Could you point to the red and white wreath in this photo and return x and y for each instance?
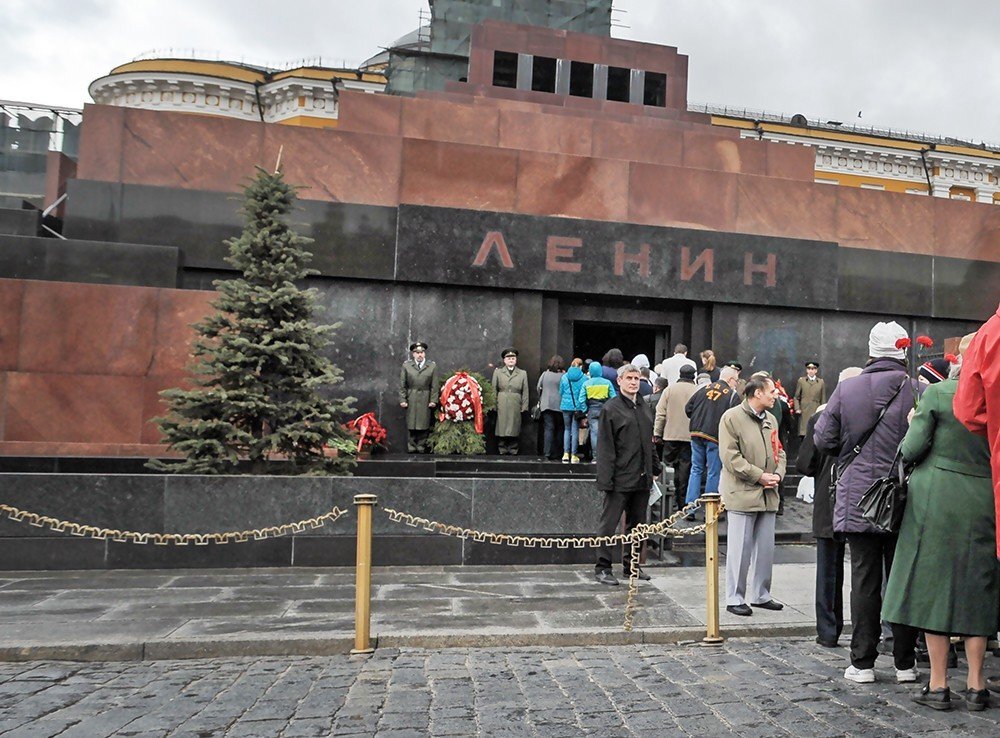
(462, 401)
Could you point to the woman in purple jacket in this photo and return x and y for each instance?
(852, 411)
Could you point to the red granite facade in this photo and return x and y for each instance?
(81, 365)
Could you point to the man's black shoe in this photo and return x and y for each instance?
(743, 610)
(769, 605)
(641, 575)
(976, 700)
(993, 683)
(825, 643)
(606, 577)
(939, 699)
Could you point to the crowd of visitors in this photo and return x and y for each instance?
(917, 584)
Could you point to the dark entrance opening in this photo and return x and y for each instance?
(593, 340)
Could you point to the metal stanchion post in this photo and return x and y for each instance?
(363, 576)
(711, 504)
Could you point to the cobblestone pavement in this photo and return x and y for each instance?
(746, 688)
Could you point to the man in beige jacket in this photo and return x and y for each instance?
(673, 429)
(753, 465)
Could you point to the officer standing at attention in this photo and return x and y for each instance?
(511, 387)
(810, 393)
(419, 389)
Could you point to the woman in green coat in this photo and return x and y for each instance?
(945, 578)
(511, 387)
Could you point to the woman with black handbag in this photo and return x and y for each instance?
(945, 578)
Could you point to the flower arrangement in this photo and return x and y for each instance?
(466, 397)
(370, 432)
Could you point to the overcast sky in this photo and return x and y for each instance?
(924, 65)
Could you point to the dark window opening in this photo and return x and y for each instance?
(619, 80)
(581, 79)
(655, 90)
(504, 69)
(543, 74)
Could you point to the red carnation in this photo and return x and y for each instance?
(951, 358)
(925, 341)
(903, 343)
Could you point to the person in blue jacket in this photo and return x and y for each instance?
(569, 403)
(593, 394)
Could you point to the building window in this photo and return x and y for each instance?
(504, 69)
(869, 186)
(820, 180)
(543, 74)
(619, 82)
(655, 90)
(581, 79)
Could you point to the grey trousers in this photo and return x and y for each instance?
(749, 538)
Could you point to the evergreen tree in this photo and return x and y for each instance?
(258, 363)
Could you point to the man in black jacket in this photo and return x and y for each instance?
(626, 468)
(705, 409)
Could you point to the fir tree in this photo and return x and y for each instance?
(258, 363)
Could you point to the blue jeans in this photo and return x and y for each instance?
(593, 422)
(703, 453)
(571, 436)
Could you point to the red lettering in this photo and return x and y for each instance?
(769, 270)
(641, 259)
(705, 261)
(494, 240)
(557, 250)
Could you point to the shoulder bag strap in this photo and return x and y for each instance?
(868, 434)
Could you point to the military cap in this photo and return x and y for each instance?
(735, 365)
(812, 365)
(418, 346)
(508, 352)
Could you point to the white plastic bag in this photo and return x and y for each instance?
(806, 490)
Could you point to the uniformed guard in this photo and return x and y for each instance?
(810, 393)
(511, 387)
(419, 389)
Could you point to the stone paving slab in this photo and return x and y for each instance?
(184, 614)
(775, 687)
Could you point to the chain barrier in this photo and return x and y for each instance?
(639, 534)
(166, 539)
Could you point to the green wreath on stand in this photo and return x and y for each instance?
(465, 399)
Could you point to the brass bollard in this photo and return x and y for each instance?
(363, 576)
(711, 504)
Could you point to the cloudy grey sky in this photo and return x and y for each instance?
(925, 65)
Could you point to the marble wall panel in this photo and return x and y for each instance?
(884, 221)
(503, 507)
(655, 145)
(78, 408)
(176, 312)
(965, 229)
(677, 196)
(124, 502)
(791, 162)
(101, 329)
(965, 289)
(883, 281)
(767, 205)
(456, 175)
(101, 140)
(367, 113)
(448, 501)
(437, 120)
(573, 186)
(11, 296)
(192, 151)
(93, 211)
(555, 134)
(724, 153)
(342, 166)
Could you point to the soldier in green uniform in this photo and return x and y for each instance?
(810, 393)
(511, 387)
(419, 389)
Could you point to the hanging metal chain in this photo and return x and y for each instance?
(166, 539)
(652, 530)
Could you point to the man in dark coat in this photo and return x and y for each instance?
(853, 411)
(830, 546)
(626, 467)
(419, 388)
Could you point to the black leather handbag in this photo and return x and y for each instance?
(884, 502)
